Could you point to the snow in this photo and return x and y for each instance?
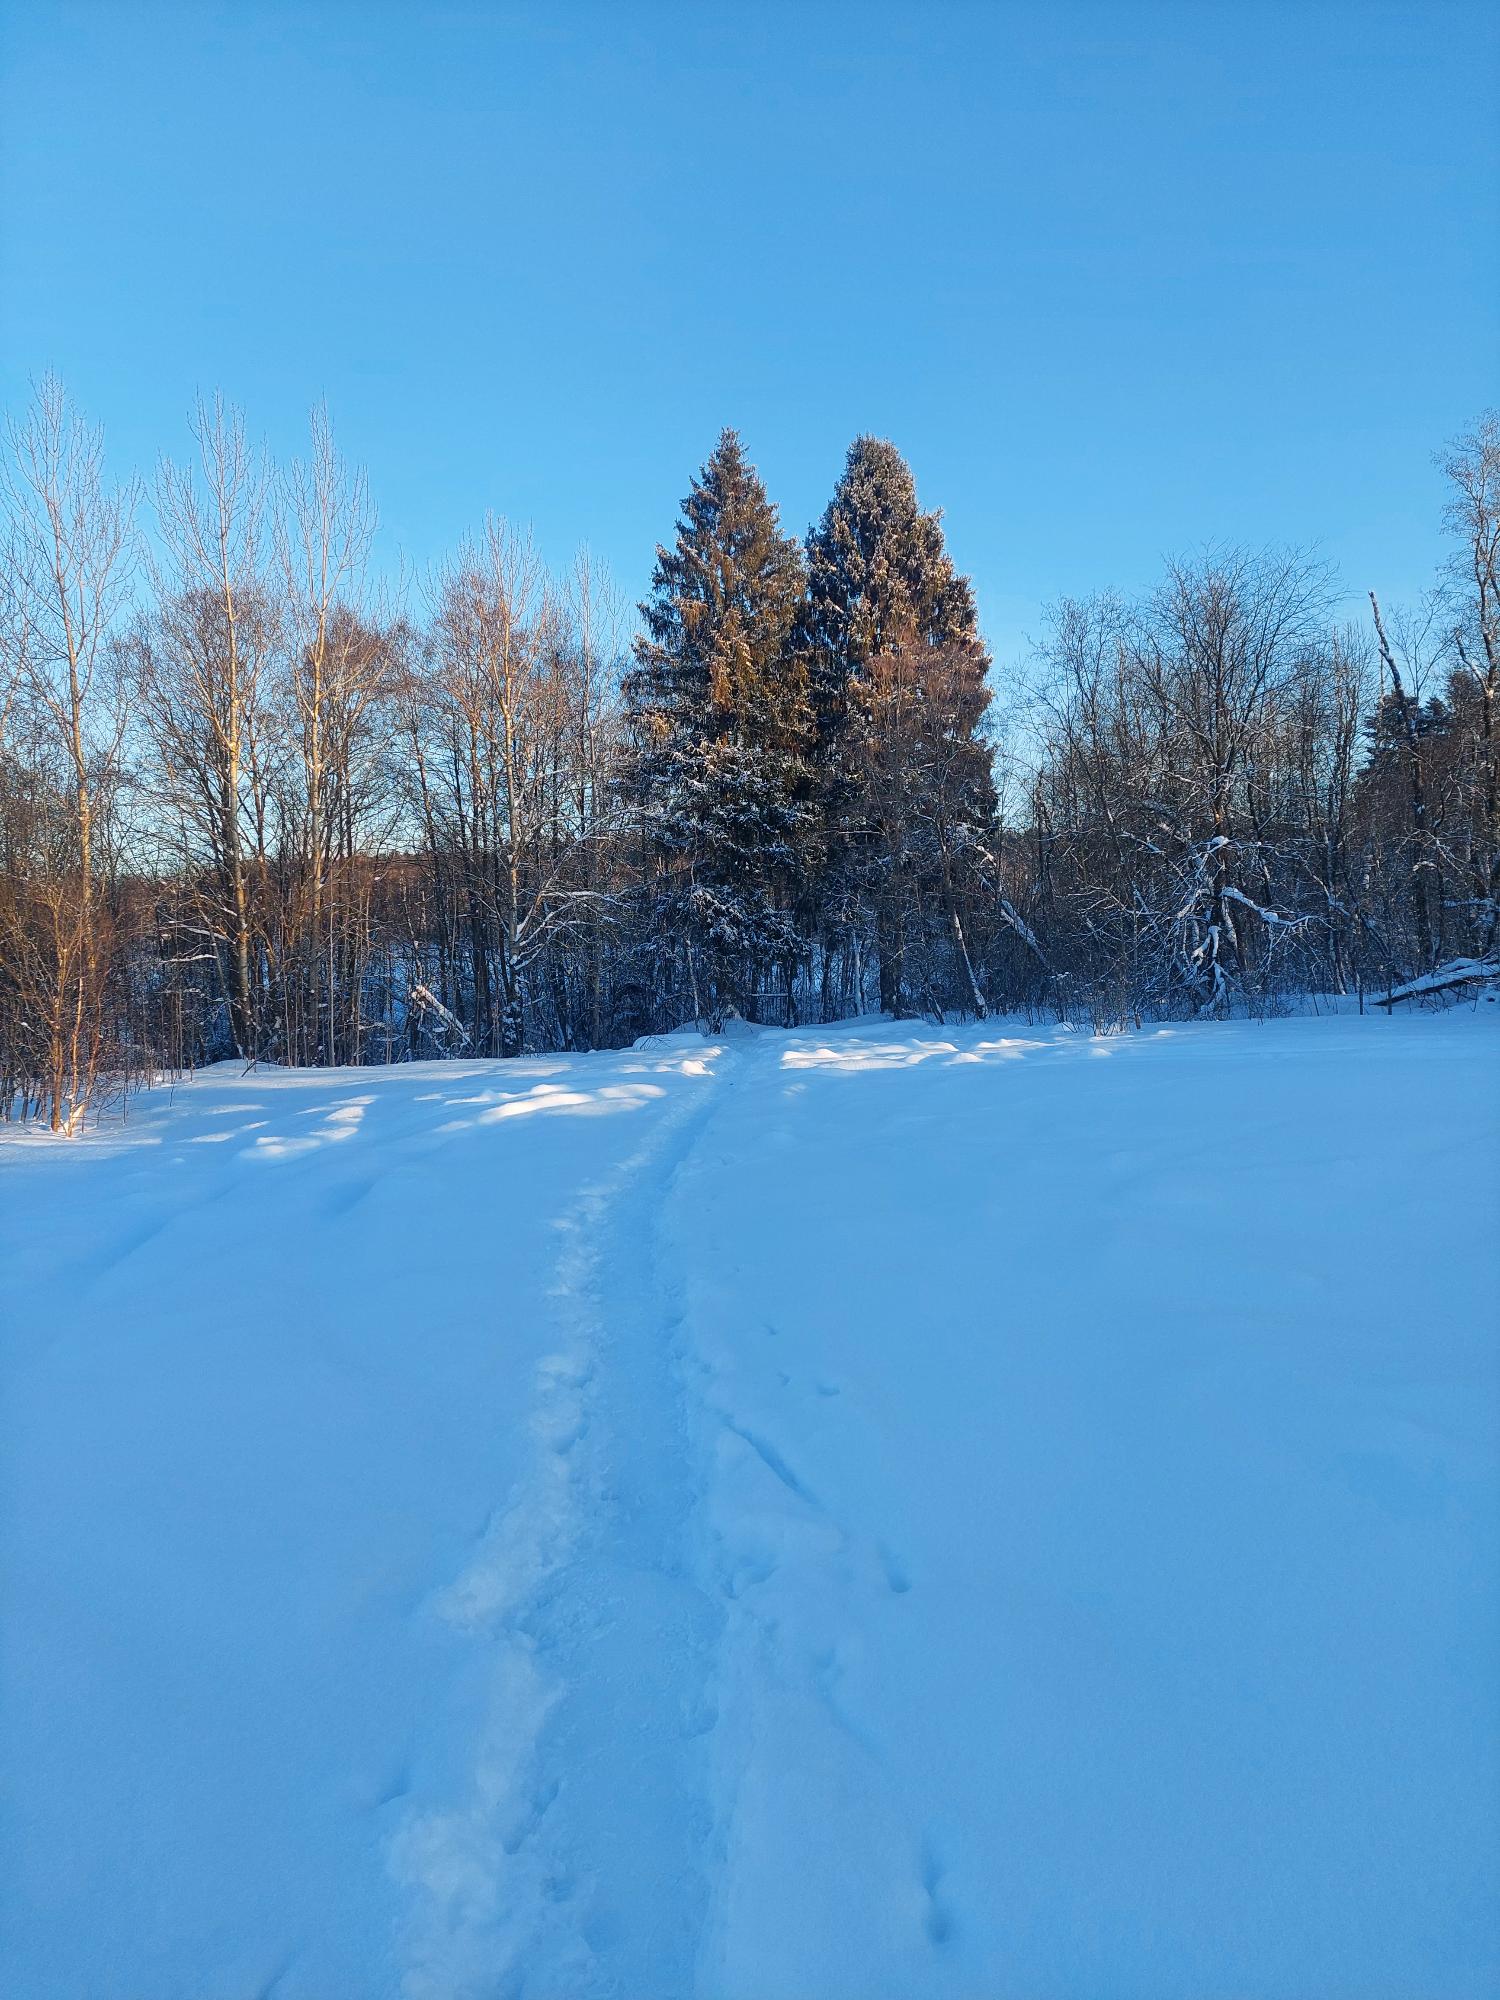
(857, 1512)
(1456, 972)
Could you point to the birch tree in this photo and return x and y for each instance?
(69, 557)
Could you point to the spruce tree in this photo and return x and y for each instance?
(896, 671)
(717, 705)
(878, 576)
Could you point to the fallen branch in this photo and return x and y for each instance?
(1457, 972)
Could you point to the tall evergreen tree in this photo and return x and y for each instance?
(718, 710)
(878, 576)
(896, 670)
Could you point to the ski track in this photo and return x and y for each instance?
(589, 1803)
(630, 1592)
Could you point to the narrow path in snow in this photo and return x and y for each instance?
(577, 1866)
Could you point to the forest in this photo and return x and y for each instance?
(255, 804)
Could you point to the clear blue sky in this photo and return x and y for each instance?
(1116, 278)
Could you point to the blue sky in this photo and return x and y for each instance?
(1118, 279)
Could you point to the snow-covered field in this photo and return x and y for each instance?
(836, 1515)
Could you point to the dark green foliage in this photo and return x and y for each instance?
(718, 713)
(896, 671)
(878, 576)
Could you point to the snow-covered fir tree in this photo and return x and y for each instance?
(896, 669)
(718, 712)
(878, 575)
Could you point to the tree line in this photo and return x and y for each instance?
(251, 807)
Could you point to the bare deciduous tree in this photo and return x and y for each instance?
(68, 565)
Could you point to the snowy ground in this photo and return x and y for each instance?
(836, 1515)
